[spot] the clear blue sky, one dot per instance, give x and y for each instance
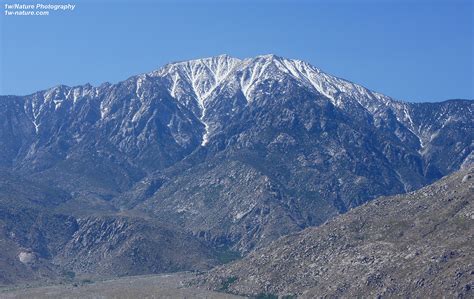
(410, 50)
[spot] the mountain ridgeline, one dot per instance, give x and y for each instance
(224, 154)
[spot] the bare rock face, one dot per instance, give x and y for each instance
(26, 257)
(118, 246)
(413, 245)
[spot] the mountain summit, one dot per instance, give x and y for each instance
(205, 79)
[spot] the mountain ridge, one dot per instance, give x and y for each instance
(199, 78)
(415, 244)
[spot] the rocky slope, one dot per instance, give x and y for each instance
(413, 245)
(39, 244)
(53, 248)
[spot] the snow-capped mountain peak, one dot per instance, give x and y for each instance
(194, 83)
(214, 90)
(201, 76)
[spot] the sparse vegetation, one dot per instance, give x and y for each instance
(149, 286)
(86, 281)
(431, 257)
(226, 284)
(225, 255)
(69, 274)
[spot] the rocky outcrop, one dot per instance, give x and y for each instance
(414, 245)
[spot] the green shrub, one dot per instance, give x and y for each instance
(86, 281)
(69, 274)
(226, 284)
(226, 255)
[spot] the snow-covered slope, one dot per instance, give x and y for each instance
(196, 83)
(278, 68)
(202, 76)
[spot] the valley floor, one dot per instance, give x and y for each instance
(147, 286)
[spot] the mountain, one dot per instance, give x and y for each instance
(288, 146)
(413, 245)
(221, 152)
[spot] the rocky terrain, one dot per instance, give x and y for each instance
(38, 244)
(415, 245)
(55, 247)
(208, 159)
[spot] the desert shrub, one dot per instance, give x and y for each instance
(226, 284)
